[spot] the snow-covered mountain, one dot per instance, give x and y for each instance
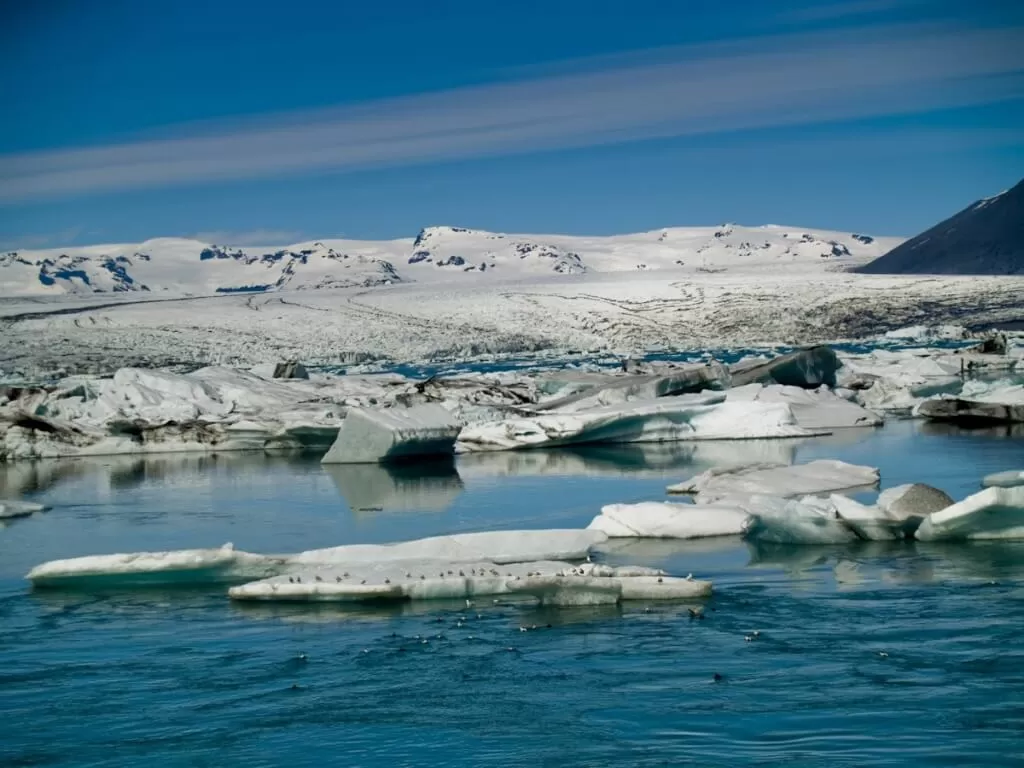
(178, 266)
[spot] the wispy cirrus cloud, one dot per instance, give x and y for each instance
(249, 236)
(740, 85)
(831, 10)
(39, 239)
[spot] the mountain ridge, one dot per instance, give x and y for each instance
(183, 266)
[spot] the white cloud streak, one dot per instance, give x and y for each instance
(686, 91)
(249, 237)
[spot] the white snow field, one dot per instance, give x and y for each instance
(451, 293)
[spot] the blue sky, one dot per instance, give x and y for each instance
(258, 122)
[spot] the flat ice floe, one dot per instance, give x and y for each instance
(813, 409)
(1008, 479)
(687, 417)
(815, 477)
(552, 582)
(228, 565)
(995, 513)
(10, 508)
(666, 520)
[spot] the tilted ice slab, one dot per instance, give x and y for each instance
(10, 508)
(995, 513)
(665, 520)
(1009, 479)
(687, 417)
(814, 409)
(370, 436)
(815, 477)
(897, 514)
(228, 565)
(551, 582)
(789, 521)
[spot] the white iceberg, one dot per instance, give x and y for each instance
(1009, 479)
(686, 417)
(788, 521)
(814, 409)
(188, 566)
(665, 520)
(228, 565)
(10, 508)
(552, 582)
(492, 546)
(371, 436)
(995, 513)
(896, 515)
(815, 477)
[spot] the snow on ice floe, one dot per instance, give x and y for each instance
(1009, 479)
(995, 513)
(370, 436)
(813, 409)
(11, 508)
(815, 477)
(999, 401)
(687, 417)
(552, 582)
(666, 520)
(227, 565)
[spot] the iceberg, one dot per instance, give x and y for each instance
(815, 477)
(897, 514)
(972, 411)
(808, 368)
(371, 436)
(500, 547)
(604, 390)
(145, 569)
(665, 520)
(551, 582)
(788, 521)
(995, 513)
(1009, 479)
(814, 409)
(10, 508)
(686, 417)
(227, 565)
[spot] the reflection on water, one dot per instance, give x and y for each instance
(424, 486)
(946, 429)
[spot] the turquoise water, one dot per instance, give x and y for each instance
(877, 655)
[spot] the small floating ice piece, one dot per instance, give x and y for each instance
(787, 521)
(186, 566)
(10, 508)
(995, 513)
(1009, 479)
(822, 476)
(665, 520)
(370, 436)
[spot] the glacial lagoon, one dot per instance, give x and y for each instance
(870, 655)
